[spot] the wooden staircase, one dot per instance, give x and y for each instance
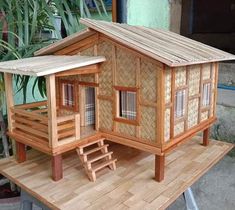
(95, 156)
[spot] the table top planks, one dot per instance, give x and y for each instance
(131, 186)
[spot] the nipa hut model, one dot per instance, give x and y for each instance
(145, 88)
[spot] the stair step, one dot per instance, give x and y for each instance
(99, 157)
(103, 164)
(91, 143)
(95, 149)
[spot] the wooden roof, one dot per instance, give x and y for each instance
(165, 46)
(50, 64)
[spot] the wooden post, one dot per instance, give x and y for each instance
(57, 167)
(206, 134)
(52, 118)
(159, 167)
(20, 152)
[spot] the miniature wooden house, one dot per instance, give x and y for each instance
(145, 88)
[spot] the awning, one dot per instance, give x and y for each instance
(49, 64)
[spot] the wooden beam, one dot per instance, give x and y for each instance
(57, 167)
(172, 111)
(206, 135)
(159, 167)
(20, 152)
(52, 115)
(90, 69)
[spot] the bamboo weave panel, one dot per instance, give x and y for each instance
(194, 79)
(148, 123)
(126, 68)
(167, 124)
(204, 115)
(88, 52)
(105, 114)
(193, 106)
(126, 129)
(167, 85)
(179, 128)
(105, 77)
(180, 76)
(206, 68)
(87, 78)
(148, 81)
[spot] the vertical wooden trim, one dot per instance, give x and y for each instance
(77, 126)
(96, 92)
(172, 115)
(114, 68)
(20, 152)
(114, 10)
(187, 100)
(160, 108)
(215, 85)
(82, 104)
(52, 116)
(206, 134)
(9, 99)
(57, 167)
(138, 109)
(211, 91)
(159, 167)
(200, 95)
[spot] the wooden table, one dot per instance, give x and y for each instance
(130, 186)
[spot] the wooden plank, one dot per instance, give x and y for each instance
(172, 111)
(200, 98)
(65, 118)
(52, 113)
(89, 69)
(114, 10)
(31, 105)
(133, 89)
(90, 84)
(57, 168)
(82, 98)
(186, 100)
(160, 109)
(127, 121)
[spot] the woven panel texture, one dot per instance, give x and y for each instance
(167, 124)
(206, 68)
(148, 124)
(88, 52)
(194, 80)
(180, 76)
(87, 78)
(193, 112)
(148, 78)
(105, 77)
(204, 116)
(105, 115)
(126, 129)
(179, 128)
(126, 68)
(168, 85)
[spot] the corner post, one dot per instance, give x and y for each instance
(20, 152)
(57, 168)
(206, 134)
(159, 167)
(52, 117)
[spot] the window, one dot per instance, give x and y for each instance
(127, 105)
(206, 93)
(90, 105)
(67, 94)
(180, 103)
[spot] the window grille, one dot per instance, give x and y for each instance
(68, 94)
(206, 94)
(90, 105)
(180, 103)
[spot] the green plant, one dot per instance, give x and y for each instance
(22, 22)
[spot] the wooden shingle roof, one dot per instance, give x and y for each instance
(165, 46)
(49, 64)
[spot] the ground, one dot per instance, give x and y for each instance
(214, 191)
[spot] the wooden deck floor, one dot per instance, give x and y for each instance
(131, 186)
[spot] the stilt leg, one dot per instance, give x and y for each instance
(206, 134)
(20, 152)
(57, 169)
(159, 167)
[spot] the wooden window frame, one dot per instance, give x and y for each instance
(207, 106)
(180, 118)
(75, 98)
(117, 118)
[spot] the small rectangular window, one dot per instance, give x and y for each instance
(180, 103)
(206, 94)
(127, 105)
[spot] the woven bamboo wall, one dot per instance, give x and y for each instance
(105, 115)
(191, 78)
(87, 52)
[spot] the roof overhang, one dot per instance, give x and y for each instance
(51, 64)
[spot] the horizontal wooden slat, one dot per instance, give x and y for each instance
(31, 105)
(65, 118)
